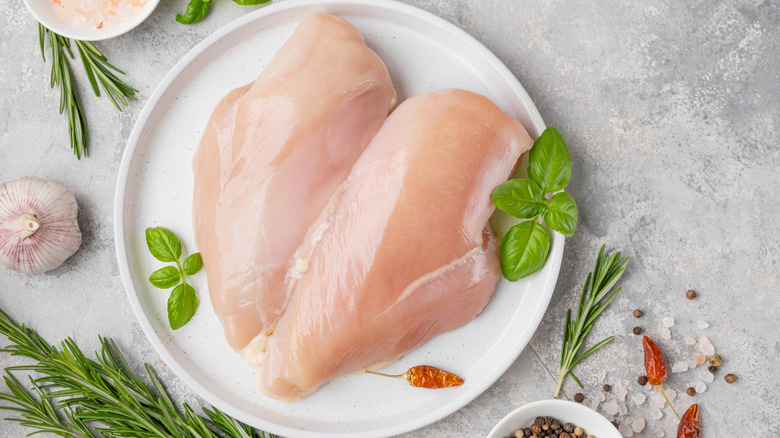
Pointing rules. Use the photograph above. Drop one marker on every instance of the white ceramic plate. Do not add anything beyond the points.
(564, 411)
(423, 53)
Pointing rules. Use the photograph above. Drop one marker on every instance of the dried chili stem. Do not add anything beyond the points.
(660, 388)
(396, 376)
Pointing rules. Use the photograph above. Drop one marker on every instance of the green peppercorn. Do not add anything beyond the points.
(716, 360)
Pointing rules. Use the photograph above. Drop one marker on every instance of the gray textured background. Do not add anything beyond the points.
(670, 110)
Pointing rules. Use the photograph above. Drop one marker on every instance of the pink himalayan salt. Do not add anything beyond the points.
(700, 358)
(97, 14)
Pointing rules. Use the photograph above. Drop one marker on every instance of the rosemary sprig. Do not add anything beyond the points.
(77, 397)
(99, 72)
(594, 299)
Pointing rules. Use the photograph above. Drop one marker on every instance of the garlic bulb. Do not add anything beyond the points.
(38, 227)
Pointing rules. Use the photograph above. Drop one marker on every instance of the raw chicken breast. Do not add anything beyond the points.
(273, 154)
(408, 252)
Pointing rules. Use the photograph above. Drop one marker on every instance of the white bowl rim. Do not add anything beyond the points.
(44, 13)
(555, 407)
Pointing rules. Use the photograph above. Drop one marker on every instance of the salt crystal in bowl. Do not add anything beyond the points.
(561, 410)
(91, 20)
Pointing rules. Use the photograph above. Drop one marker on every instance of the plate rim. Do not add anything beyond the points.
(553, 263)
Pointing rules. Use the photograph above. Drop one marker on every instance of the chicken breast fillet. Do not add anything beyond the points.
(407, 252)
(272, 156)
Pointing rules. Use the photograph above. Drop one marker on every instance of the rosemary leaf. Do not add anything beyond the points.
(74, 396)
(594, 299)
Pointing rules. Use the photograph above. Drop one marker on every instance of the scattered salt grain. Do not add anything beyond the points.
(705, 346)
(656, 414)
(610, 407)
(638, 425)
(599, 396)
(602, 376)
(703, 325)
(689, 340)
(625, 430)
(621, 393)
(668, 322)
(700, 387)
(639, 398)
(622, 409)
(708, 377)
(671, 394)
(680, 367)
(657, 402)
(666, 334)
(699, 358)
(692, 363)
(648, 387)
(660, 433)
(593, 404)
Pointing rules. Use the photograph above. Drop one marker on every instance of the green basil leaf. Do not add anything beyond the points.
(524, 250)
(165, 278)
(562, 214)
(196, 11)
(251, 2)
(521, 198)
(192, 264)
(163, 244)
(182, 305)
(549, 162)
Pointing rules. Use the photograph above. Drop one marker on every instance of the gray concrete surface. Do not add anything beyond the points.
(670, 110)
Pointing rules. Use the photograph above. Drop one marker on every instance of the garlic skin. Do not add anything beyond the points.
(38, 226)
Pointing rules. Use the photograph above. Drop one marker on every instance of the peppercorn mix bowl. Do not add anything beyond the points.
(577, 415)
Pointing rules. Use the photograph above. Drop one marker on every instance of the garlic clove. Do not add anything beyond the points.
(38, 226)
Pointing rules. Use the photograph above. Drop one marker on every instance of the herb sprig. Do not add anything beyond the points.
(183, 301)
(99, 72)
(525, 247)
(593, 301)
(77, 397)
(197, 9)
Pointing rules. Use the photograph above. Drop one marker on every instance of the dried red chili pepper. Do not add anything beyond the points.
(690, 426)
(655, 367)
(426, 376)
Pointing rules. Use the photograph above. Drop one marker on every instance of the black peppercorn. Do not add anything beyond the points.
(527, 431)
(579, 397)
(713, 369)
(614, 423)
(637, 330)
(642, 380)
(568, 427)
(607, 388)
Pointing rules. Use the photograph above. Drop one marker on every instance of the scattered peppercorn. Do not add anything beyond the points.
(642, 380)
(716, 360)
(730, 378)
(607, 388)
(568, 427)
(637, 313)
(713, 369)
(527, 431)
(691, 391)
(579, 397)
(614, 423)
(637, 330)
(691, 294)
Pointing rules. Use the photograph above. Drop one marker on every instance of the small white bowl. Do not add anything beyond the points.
(564, 411)
(44, 12)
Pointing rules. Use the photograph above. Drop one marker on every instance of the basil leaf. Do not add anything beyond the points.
(163, 244)
(165, 278)
(524, 250)
(196, 11)
(251, 2)
(549, 162)
(520, 198)
(192, 264)
(182, 305)
(562, 214)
